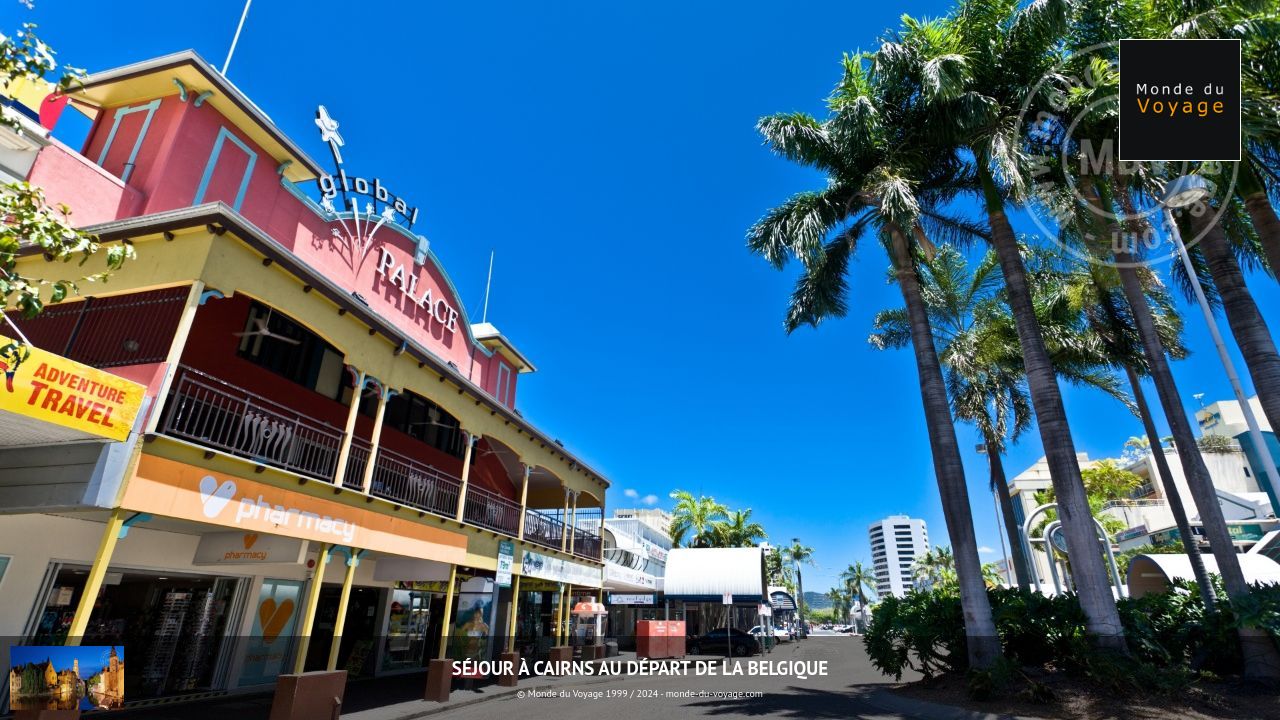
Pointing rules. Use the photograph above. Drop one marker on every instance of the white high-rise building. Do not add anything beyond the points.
(896, 542)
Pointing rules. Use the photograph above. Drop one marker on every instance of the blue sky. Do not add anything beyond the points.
(92, 657)
(608, 155)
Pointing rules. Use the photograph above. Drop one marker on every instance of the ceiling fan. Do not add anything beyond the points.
(262, 329)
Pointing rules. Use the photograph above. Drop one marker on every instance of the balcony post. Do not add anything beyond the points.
(573, 522)
(524, 501)
(195, 297)
(564, 522)
(466, 473)
(97, 573)
(348, 579)
(383, 398)
(448, 611)
(344, 449)
(308, 618)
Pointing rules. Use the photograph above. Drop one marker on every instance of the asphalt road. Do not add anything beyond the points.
(840, 693)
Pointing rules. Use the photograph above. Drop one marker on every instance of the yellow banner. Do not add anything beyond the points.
(40, 385)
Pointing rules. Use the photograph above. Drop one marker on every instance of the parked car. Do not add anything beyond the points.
(779, 634)
(720, 640)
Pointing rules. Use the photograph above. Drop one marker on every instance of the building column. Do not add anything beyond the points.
(448, 611)
(512, 613)
(309, 610)
(560, 612)
(384, 396)
(573, 522)
(466, 473)
(93, 583)
(340, 623)
(195, 298)
(344, 450)
(564, 522)
(524, 501)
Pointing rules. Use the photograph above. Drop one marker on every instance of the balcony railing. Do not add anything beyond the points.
(211, 412)
(586, 544)
(402, 479)
(491, 511)
(543, 529)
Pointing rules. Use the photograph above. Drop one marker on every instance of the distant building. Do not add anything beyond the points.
(896, 542)
(656, 518)
(1226, 418)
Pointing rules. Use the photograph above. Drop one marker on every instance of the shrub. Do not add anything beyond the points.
(923, 631)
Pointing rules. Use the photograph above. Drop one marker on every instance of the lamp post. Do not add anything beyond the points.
(1184, 192)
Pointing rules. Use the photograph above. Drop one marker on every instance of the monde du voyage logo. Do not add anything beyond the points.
(1180, 100)
(215, 497)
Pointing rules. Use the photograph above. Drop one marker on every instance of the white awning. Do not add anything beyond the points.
(707, 574)
(1154, 573)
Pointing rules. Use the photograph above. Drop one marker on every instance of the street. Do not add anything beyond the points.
(841, 693)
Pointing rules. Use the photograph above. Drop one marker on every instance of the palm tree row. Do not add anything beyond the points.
(934, 114)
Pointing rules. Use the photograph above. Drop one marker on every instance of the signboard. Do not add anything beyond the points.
(173, 489)
(765, 610)
(727, 599)
(614, 572)
(246, 548)
(506, 559)
(616, 599)
(41, 385)
(1131, 533)
(534, 564)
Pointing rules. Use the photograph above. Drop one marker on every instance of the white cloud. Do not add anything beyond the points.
(649, 499)
(631, 493)
(984, 550)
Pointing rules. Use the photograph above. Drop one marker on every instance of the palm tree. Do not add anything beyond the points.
(980, 351)
(878, 178)
(798, 554)
(936, 569)
(839, 603)
(737, 530)
(858, 581)
(973, 71)
(695, 518)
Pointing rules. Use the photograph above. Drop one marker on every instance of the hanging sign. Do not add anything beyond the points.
(534, 564)
(617, 599)
(727, 599)
(43, 386)
(246, 548)
(506, 560)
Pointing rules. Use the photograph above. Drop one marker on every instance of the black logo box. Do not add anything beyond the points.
(1192, 65)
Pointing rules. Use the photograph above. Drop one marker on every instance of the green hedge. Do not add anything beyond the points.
(925, 631)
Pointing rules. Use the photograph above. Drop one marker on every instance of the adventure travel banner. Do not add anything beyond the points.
(48, 387)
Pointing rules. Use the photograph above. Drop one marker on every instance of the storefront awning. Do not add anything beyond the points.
(1155, 573)
(707, 574)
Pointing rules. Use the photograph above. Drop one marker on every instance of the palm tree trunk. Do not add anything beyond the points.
(1247, 324)
(1171, 494)
(1261, 659)
(1256, 202)
(980, 629)
(1000, 486)
(1091, 579)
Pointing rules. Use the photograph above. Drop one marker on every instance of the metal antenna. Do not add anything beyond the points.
(484, 316)
(236, 38)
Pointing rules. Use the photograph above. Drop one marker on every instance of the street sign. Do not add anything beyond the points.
(727, 599)
(506, 559)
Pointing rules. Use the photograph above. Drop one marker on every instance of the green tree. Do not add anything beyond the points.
(881, 177)
(972, 72)
(858, 581)
(737, 530)
(693, 519)
(27, 223)
(798, 554)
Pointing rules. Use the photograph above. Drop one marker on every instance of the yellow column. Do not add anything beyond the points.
(176, 346)
(344, 450)
(353, 559)
(511, 614)
(466, 473)
(309, 611)
(560, 617)
(93, 583)
(448, 607)
(564, 524)
(524, 502)
(375, 438)
(573, 522)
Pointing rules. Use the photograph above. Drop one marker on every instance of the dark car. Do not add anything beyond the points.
(718, 641)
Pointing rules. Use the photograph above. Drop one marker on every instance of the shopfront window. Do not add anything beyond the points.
(409, 618)
(274, 617)
(172, 625)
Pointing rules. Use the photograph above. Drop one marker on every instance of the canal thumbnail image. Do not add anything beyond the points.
(57, 677)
